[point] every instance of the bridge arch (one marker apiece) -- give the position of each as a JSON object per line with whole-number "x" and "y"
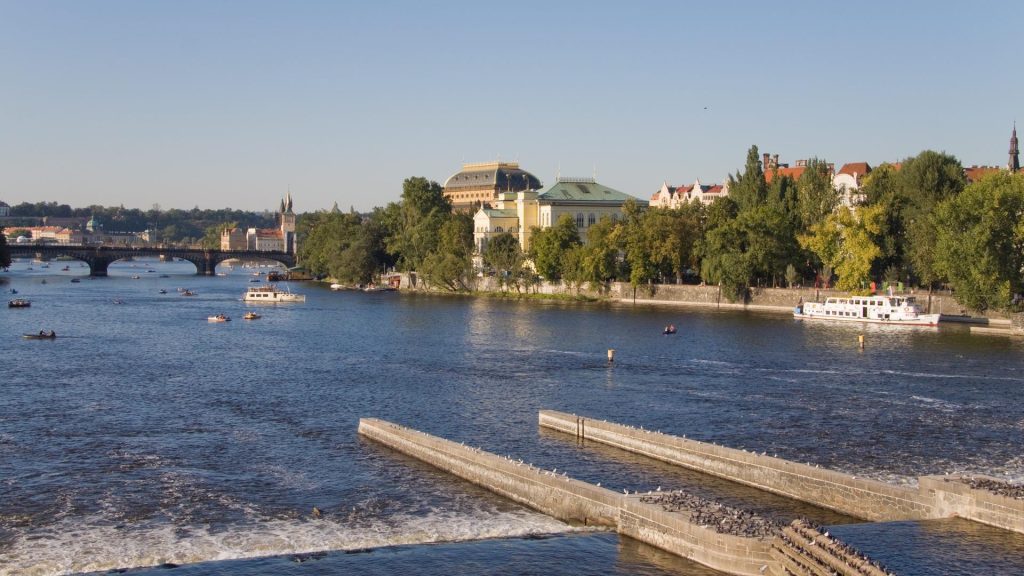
{"x": 99, "y": 258}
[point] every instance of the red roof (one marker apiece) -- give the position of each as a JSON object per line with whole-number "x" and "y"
{"x": 793, "y": 173}
{"x": 975, "y": 173}
{"x": 855, "y": 169}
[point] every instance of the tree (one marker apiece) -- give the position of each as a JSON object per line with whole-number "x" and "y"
{"x": 549, "y": 246}
{"x": 211, "y": 239}
{"x": 817, "y": 198}
{"x": 504, "y": 254}
{"x": 749, "y": 188}
{"x": 5, "y": 254}
{"x": 414, "y": 223}
{"x": 631, "y": 236}
{"x": 844, "y": 241}
{"x": 979, "y": 242}
{"x": 452, "y": 263}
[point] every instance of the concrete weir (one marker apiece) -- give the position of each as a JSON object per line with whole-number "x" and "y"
{"x": 663, "y": 519}
{"x": 574, "y": 501}
{"x": 934, "y": 497}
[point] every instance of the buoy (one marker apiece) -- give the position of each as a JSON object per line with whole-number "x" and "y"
{"x": 611, "y": 355}
{"x": 860, "y": 339}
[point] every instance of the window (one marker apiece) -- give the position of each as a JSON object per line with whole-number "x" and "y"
{"x": 498, "y": 229}
{"x": 579, "y": 219}
{"x": 591, "y": 219}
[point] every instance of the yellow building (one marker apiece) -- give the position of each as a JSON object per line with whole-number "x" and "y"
{"x": 479, "y": 185}
{"x": 583, "y": 199}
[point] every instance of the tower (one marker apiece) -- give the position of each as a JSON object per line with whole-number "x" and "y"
{"x": 287, "y": 222}
{"x": 1014, "y": 164}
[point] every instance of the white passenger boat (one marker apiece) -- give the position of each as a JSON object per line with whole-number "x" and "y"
{"x": 901, "y": 310}
{"x": 271, "y": 293}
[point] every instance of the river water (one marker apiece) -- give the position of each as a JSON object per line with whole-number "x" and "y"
{"x": 146, "y": 436}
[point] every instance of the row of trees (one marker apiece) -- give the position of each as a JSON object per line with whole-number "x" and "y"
{"x": 918, "y": 222}
{"x": 171, "y": 226}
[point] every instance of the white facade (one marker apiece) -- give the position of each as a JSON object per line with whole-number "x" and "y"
{"x": 671, "y": 197}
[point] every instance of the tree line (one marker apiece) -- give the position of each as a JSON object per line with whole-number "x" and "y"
{"x": 171, "y": 226}
{"x": 919, "y": 223}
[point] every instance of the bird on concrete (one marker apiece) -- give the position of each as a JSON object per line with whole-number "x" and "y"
{"x": 316, "y": 512}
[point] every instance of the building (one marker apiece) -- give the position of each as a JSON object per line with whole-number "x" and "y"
{"x": 848, "y": 181}
{"x": 479, "y": 185}
{"x": 671, "y": 197}
{"x": 974, "y": 173}
{"x": 584, "y": 199}
{"x": 233, "y": 239}
{"x": 280, "y": 239}
{"x": 5, "y": 209}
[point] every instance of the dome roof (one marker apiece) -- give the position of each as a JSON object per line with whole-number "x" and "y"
{"x": 498, "y": 176}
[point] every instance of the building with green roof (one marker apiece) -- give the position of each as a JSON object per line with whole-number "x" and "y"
{"x": 584, "y": 199}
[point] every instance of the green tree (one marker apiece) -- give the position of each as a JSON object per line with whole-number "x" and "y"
{"x": 845, "y": 242}
{"x": 816, "y": 196}
{"x": 452, "y": 263}
{"x": 5, "y": 254}
{"x": 504, "y": 254}
{"x": 211, "y": 239}
{"x": 631, "y": 235}
{"x": 979, "y": 243}
{"x": 415, "y": 222}
{"x": 549, "y": 246}
{"x": 749, "y": 188}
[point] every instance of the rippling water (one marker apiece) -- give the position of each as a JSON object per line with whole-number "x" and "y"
{"x": 145, "y": 435}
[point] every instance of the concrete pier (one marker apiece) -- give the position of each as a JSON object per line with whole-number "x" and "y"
{"x": 934, "y": 497}
{"x": 571, "y": 500}
{"x": 554, "y": 494}
{"x": 729, "y": 540}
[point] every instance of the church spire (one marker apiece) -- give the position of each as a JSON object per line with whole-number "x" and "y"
{"x": 1014, "y": 164}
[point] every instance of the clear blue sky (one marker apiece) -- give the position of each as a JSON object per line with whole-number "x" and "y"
{"x": 229, "y": 103}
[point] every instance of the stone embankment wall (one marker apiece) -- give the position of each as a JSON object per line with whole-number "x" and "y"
{"x": 858, "y": 497}
{"x": 766, "y": 299}
{"x": 674, "y": 533}
{"x": 555, "y": 495}
{"x": 954, "y": 496}
{"x": 575, "y": 501}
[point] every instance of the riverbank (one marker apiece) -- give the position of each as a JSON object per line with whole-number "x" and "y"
{"x": 773, "y": 300}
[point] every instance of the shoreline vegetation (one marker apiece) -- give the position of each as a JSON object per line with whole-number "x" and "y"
{"x": 917, "y": 225}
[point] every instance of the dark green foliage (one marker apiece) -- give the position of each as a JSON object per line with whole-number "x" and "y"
{"x": 979, "y": 242}
{"x": 548, "y": 247}
{"x": 504, "y": 255}
{"x": 451, "y": 265}
{"x": 5, "y": 255}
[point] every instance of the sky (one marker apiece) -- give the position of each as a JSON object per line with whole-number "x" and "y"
{"x": 231, "y": 104}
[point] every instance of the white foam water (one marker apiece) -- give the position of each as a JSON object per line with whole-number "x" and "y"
{"x": 74, "y": 547}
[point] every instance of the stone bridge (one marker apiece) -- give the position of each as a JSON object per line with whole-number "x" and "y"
{"x": 99, "y": 257}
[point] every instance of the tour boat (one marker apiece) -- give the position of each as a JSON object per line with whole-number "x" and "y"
{"x": 218, "y": 318}
{"x": 271, "y": 293}
{"x": 901, "y": 310}
{"x": 19, "y": 303}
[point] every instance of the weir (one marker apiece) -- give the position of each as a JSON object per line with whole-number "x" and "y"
{"x": 729, "y": 540}
{"x": 977, "y": 498}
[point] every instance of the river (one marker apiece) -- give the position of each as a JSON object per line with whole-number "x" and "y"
{"x": 144, "y": 435}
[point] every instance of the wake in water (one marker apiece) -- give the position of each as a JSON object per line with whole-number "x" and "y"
{"x": 90, "y": 546}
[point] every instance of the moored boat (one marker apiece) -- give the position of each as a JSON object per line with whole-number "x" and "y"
{"x": 19, "y": 303}
{"x": 900, "y": 310}
{"x": 271, "y": 293}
